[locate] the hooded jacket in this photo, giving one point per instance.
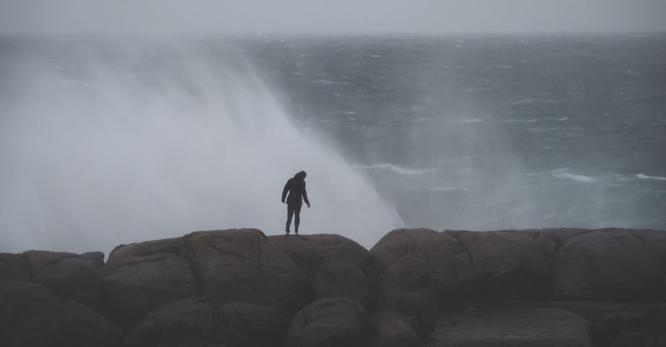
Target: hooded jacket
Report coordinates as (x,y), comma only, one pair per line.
(296,188)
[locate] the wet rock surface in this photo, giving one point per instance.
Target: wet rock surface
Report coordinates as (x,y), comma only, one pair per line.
(193,322)
(334,265)
(32,315)
(69,275)
(237,287)
(330,322)
(529,327)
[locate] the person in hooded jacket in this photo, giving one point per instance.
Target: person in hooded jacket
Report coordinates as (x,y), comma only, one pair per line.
(296,188)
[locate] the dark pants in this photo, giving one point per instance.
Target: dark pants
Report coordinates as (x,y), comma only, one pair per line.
(293,209)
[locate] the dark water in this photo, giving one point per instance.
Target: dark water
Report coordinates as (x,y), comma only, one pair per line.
(490,132)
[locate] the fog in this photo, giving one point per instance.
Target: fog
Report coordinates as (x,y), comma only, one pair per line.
(307,16)
(106,143)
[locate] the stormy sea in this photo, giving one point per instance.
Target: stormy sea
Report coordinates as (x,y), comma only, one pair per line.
(105,140)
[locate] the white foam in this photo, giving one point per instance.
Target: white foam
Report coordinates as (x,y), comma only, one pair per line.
(470,120)
(566,175)
(395,168)
(647,177)
(444,189)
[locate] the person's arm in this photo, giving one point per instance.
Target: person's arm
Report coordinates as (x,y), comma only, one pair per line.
(305,195)
(285,190)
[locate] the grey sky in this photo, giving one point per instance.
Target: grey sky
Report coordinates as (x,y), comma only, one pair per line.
(203,16)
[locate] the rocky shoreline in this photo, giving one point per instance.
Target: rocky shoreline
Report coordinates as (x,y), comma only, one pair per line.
(415,287)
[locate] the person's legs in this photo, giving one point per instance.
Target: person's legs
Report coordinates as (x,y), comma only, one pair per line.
(290,212)
(297,211)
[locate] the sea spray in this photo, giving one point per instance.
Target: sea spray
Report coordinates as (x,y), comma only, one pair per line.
(110,143)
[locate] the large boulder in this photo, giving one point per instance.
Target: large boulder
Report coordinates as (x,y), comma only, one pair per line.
(32,315)
(616,323)
(390,329)
(194,322)
(69,275)
(606,265)
(446,259)
(470,266)
(243,265)
(330,322)
(14,267)
(506,265)
(96,258)
(515,327)
(170,246)
(656,241)
(407,288)
(135,285)
(334,265)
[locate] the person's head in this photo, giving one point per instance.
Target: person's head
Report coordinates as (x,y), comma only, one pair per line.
(301,175)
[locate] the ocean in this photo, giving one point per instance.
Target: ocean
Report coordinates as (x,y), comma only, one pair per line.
(110,140)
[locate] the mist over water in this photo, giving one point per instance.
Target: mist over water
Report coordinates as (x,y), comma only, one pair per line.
(110,141)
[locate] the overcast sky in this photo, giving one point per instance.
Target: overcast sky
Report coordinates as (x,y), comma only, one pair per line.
(337,16)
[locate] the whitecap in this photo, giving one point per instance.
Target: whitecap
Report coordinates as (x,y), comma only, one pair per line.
(395,168)
(444,189)
(647,177)
(566,175)
(470,120)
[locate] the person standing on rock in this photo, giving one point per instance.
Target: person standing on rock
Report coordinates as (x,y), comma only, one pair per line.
(296,188)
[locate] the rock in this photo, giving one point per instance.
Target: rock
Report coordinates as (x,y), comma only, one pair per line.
(407,288)
(515,327)
(446,259)
(330,322)
(170,246)
(183,323)
(14,267)
(96,258)
(68,275)
(506,265)
(551,240)
(392,330)
(137,285)
(614,322)
(243,265)
(193,322)
(335,266)
(655,240)
(606,265)
(253,325)
(32,315)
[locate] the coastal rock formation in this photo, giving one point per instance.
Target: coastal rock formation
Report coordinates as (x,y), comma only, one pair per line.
(197,322)
(237,287)
(32,315)
(243,265)
(137,283)
(330,322)
(14,267)
(69,275)
(516,327)
(407,288)
(390,329)
(605,265)
(334,265)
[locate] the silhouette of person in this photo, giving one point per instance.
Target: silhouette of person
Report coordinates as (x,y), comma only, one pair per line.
(296,188)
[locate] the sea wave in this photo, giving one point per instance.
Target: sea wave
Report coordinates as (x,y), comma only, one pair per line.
(395,168)
(470,120)
(647,177)
(566,175)
(444,189)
